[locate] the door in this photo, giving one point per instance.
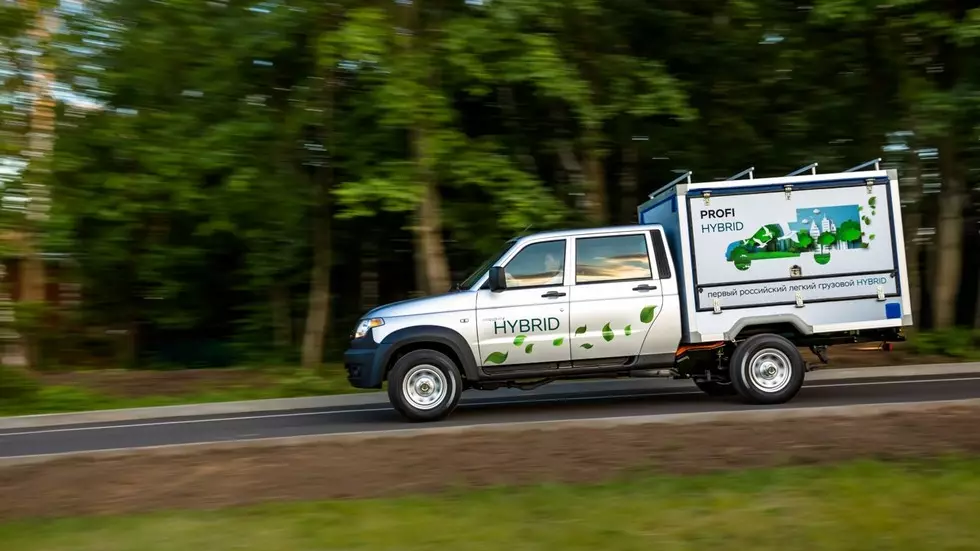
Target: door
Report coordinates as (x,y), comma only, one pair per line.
(527,323)
(616,296)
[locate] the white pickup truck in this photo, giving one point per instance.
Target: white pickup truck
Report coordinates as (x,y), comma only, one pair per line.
(720,282)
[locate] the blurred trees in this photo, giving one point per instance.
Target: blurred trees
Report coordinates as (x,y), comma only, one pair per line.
(239,181)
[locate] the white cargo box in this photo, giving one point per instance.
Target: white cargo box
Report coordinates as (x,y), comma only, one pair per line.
(824,252)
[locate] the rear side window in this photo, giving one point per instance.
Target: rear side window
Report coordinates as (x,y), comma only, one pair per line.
(613,258)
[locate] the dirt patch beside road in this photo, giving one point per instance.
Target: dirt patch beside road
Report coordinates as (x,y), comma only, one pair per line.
(152,480)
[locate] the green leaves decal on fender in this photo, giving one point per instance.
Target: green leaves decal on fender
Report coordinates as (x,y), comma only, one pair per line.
(496,358)
(527,349)
(646,315)
(628,330)
(558,341)
(580,330)
(607,332)
(587,346)
(519,340)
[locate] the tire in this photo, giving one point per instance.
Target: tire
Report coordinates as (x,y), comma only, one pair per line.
(767,369)
(424,385)
(715,388)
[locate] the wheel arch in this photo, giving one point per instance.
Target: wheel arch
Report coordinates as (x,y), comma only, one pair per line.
(430,337)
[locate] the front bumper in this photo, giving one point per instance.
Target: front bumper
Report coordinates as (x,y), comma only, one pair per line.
(365,362)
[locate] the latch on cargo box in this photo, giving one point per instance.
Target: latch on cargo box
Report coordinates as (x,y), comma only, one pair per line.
(870,184)
(716,305)
(789,190)
(881,293)
(707,197)
(799,300)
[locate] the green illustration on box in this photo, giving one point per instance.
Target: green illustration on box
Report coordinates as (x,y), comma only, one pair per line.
(647,314)
(819,231)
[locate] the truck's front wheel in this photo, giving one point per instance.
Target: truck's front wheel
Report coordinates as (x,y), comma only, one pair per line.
(767,369)
(424,385)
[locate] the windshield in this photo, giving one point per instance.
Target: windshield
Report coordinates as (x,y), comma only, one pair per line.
(478,273)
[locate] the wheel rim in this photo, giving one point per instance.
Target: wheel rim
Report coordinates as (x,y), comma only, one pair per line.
(425,387)
(770,370)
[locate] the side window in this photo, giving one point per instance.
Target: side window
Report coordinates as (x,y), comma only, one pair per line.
(613,258)
(537,265)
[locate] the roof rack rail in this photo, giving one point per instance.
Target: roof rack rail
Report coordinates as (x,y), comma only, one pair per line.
(875,162)
(748,171)
(812,167)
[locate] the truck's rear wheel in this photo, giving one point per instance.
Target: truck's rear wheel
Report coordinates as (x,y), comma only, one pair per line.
(715,388)
(424,385)
(767,369)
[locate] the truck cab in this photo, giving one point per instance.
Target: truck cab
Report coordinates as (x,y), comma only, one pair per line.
(719,282)
(548,306)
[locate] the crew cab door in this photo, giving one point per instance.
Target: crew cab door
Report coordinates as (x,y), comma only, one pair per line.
(527,323)
(616,297)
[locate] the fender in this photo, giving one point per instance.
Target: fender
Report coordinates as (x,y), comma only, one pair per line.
(401,338)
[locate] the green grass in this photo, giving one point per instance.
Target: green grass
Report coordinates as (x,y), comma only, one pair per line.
(64,399)
(858,506)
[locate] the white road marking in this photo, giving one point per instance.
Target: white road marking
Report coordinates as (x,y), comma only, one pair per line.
(487,403)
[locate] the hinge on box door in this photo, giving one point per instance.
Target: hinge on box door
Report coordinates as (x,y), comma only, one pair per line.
(707,197)
(881,293)
(788,189)
(870,184)
(799,300)
(716,305)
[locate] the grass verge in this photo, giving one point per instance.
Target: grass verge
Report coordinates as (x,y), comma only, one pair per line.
(89,391)
(853,506)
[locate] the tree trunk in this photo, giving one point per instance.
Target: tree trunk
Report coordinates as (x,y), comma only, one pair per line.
(432,267)
(318,312)
(431,264)
(627,184)
(370,288)
(281,318)
(912,221)
(595,182)
(952,199)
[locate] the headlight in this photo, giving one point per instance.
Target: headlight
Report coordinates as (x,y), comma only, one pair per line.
(365,325)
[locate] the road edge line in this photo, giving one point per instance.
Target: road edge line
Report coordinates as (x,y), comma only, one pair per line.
(362,399)
(772,414)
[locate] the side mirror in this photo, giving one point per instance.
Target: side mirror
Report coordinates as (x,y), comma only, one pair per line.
(496,279)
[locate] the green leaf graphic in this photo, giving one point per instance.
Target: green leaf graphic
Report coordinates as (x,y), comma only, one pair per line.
(628,330)
(558,341)
(528,348)
(580,330)
(587,346)
(607,332)
(519,340)
(497,357)
(646,315)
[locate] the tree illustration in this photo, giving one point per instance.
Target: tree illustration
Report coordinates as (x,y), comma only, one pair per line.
(806,241)
(849,231)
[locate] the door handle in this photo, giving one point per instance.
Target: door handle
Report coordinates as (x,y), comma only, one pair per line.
(645,287)
(552,294)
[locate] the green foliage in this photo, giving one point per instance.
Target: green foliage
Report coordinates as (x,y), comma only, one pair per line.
(16,385)
(186,202)
(958,343)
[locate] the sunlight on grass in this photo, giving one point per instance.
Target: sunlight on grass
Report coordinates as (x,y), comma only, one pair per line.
(858,506)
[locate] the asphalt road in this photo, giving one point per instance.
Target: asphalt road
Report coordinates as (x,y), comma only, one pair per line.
(476,408)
